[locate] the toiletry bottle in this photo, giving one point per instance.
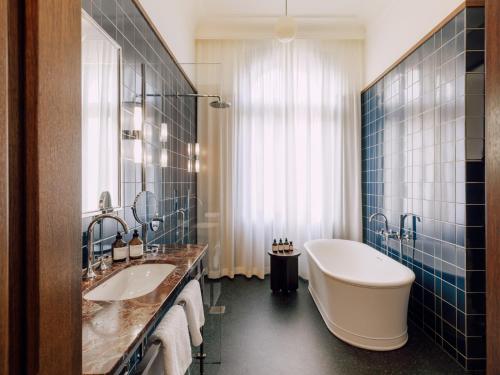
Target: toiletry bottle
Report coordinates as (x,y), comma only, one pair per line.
(136,248)
(275,246)
(280,245)
(119,249)
(291,246)
(286,245)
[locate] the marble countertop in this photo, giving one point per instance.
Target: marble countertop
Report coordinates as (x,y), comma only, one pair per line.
(111,329)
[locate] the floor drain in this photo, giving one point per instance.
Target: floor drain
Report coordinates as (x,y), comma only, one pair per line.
(217,310)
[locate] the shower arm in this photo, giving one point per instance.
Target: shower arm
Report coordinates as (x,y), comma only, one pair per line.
(219,98)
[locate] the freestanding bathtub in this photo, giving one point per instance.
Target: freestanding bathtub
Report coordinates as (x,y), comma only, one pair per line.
(361,293)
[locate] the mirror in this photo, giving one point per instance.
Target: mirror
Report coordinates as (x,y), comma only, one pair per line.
(101,108)
(145,210)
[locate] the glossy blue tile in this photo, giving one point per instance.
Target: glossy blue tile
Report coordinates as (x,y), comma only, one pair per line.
(435,168)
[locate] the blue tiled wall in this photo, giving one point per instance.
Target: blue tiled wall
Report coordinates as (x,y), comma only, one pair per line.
(423,153)
(124,23)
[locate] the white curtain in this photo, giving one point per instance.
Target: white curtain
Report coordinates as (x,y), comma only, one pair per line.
(100,119)
(284,161)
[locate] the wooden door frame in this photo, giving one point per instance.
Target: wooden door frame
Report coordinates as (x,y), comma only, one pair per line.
(4,194)
(40,185)
(492,149)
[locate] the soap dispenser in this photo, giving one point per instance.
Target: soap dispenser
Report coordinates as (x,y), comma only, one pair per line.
(119,249)
(136,247)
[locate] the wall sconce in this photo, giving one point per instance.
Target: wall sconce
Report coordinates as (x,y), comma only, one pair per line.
(193,157)
(138,116)
(135,135)
(163,139)
(163,132)
(164,158)
(137,150)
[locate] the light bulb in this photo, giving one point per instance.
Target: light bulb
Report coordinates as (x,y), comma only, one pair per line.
(164,158)
(197,166)
(138,117)
(137,151)
(190,167)
(197,149)
(163,132)
(285,29)
(190,149)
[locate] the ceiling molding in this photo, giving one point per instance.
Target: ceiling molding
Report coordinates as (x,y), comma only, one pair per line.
(263,28)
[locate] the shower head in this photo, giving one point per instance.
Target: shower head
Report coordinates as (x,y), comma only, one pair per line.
(220,104)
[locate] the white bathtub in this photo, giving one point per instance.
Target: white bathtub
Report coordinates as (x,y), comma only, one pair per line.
(361,294)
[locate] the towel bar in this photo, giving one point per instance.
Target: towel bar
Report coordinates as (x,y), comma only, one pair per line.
(154,349)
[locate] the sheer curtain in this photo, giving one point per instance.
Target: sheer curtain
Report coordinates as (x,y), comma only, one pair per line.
(288,150)
(100,121)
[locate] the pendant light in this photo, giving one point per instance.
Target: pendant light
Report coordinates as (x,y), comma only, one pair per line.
(286,27)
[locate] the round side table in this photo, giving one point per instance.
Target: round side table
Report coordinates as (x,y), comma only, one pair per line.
(284,270)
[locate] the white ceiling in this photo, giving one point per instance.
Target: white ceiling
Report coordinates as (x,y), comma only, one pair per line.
(358,9)
(248,19)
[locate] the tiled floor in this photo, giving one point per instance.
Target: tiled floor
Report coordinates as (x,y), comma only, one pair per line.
(277,334)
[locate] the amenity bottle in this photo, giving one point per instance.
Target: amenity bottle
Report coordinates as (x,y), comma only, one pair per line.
(275,246)
(136,248)
(119,249)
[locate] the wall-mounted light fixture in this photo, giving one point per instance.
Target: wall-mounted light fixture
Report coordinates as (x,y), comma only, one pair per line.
(135,135)
(193,163)
(163,132)
(164,158)
(163,140)
(197,157)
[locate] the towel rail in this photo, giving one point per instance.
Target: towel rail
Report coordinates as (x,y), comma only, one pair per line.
(154,349)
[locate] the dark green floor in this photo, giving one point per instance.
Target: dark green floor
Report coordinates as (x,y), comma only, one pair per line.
(277,334)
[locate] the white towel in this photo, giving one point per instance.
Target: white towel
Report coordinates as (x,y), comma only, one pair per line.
(174,336)
(191,295)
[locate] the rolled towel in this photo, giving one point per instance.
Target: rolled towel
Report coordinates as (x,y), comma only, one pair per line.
(191,296)
(174,336)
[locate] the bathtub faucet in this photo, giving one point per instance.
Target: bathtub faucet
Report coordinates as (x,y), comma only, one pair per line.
(384,232)
(408,234)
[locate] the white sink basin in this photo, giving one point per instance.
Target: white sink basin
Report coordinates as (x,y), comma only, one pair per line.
(132,282)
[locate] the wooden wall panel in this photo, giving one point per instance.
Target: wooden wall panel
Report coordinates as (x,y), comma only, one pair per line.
(493,184)
(53,160)
(4,194)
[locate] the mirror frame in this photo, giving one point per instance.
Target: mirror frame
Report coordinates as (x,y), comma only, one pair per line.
(119,202)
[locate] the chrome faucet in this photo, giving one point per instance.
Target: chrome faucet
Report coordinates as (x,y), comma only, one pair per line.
(90,274)
(403,233)
(384,232)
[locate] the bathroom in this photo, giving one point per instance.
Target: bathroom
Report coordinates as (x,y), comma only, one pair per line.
(249,187)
